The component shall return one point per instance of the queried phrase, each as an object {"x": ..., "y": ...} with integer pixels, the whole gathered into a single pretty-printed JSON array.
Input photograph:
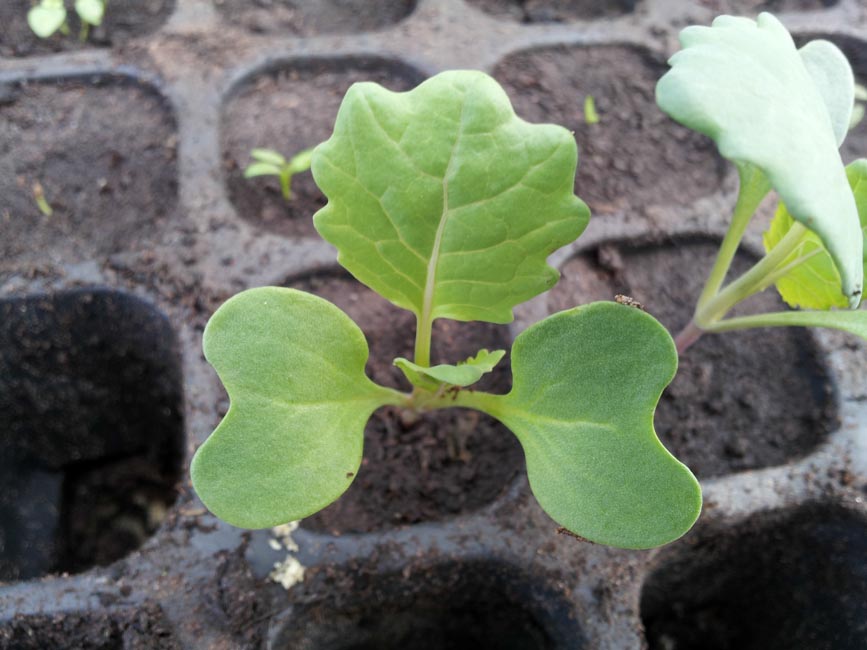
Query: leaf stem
[
  {"x": 286, "y": 183},
  {"x": 687, "y": 336},
  {"x": 422, "y": 341}
]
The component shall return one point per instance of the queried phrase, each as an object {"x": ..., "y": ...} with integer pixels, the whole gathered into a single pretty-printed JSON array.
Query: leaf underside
[
  {"x": 765, "y": 103},
  {"x": 291, "y": 443},
  {"x": 585, "y": 387},
  {"x": 443, "y": 201},
  {"x": 465, "y": 373}
]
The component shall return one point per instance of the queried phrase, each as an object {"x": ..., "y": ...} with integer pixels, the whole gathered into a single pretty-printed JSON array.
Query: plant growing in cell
[
  {"x": 50, "y": 16},
  {"x": 267, "y": 162}
]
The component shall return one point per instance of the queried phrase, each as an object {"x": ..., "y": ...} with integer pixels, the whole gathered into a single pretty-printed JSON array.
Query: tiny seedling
[
  {"x": 41, "y": 202},
  {"x": 50, "y": 16},
  {"x": 448, "y": 205},
  {"x": 267, "y": 162},
  {"x": 590, "y": 114}
]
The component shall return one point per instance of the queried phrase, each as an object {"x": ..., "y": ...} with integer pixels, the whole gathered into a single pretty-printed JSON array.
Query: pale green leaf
[
  {"x": 744, "y": 84},
  {"x": 268, "y": 156},
  {"x": 815, "y": 282},
  {"x": 261, "y": 169},
  {"x": 444, "y": 201},
  {"x": 300, "y": 162},
  {"x": 291, "y": 443},
  {"x": 90, "y": 11},
  {"x": 585, "y": 387},
  {"x": 853, "y": 321},
  {"x": 464, "y": 373},
  {"x": 46, "y": 17}
]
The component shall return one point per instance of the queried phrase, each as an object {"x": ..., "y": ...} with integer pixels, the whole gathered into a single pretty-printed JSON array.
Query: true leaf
[
  {"x": 815, "y": 283},
  {"x": 444, "y": 201},
  {"x": 585, "y": 386},
  {"x": 291, "y": 443},
  {"x": 462, "y": 374},
  {"x": 785, "y": 111},
  {"x": 90, "y": 11},
  {"x": 46, "y": 17}
]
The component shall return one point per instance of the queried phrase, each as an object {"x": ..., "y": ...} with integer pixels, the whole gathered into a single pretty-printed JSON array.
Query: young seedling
[
  {"x": 590, "y": 114},
  {"x": 780, "y": 114},
  {"x": 50, "y": 16},
  {"x": 267, "y": 162},
  {"x": 447, "y": 204}
]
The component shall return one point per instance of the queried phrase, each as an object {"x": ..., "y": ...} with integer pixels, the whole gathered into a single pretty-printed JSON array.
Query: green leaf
[
  {"x": 291, "y": 443},
  {"x": 765, "y": 103},
  {"x": 444, "y": 201},
  {"x": 261, "y": 169},
  {"x": 46, "y": 17},
  {"x": 853, "y": 321},
  {"x": 586, "y": 384},
  {"x": 301, "y": 161},
  {"x": 464, "y": 373},
  {"x": 815, "y": 283},
  {"x": 90, "y": 11},
  {"x": 268, "y": 156}
]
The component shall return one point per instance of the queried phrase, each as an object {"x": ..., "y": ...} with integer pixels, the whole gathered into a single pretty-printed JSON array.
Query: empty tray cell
[
  {"x": 450, "y": 606},
  {"x": 91, "y": 431},
  {"x": 124, "y": 20},
  {"x": 740, "y": 400},
  {"x": 554, "y": 11},
  {"x": 308, "y": 18},
  {"x": 101, "y": 155},
  {"x": 781, "y": 580},
  {"x": 289, "y": 109},
  {"x": 634, "y": 156},
  {"x": 144, "y": 628},
  {"x": 419, "y": 468}
]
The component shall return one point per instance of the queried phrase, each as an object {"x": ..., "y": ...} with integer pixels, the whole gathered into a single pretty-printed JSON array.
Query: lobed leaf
[
  {"x": 783, "y": 110},
  {"x": 444, "y": 201},
  {"x": 585, "y": 386},
  {"x": 464, "y": 373},
  {"x": 291, "y": 443}
]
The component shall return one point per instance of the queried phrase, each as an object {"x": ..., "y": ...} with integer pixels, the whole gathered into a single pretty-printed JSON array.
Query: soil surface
[
  {"x": 289, "y": 110},
  {"x": 124, "y": 20},
  {"x": 305, "y": 18},
  {"x": 103, "y": 155},
  {"x": 427, "y": 468},
  {"x": 780, "y": 580},
  {"x": 753, "y": 7},
  {"x": 554, "y": 11},
  {"x": 635, "y": 155},
  {"x": 740, "y": 400}
]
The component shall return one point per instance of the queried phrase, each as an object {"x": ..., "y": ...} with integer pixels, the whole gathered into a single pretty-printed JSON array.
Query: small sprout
[
  {"x": 590, "y": 114},
  {"x": 49, "y": 17},
  {"x": 267, "y": 162},
  {"x": 41, "y": 202}
]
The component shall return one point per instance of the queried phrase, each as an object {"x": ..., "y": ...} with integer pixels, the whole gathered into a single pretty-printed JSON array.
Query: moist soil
[
  {"x": 554, "y": 11},
  {"x": 289, "y": 110},
  {"x": 103, "y": 153},
  {"x": 305, "y": 18},
  {"x": 420, "y": 468},
  {"x": 740, "y": 400},
  {"x": 635, "y": 155},
  {"x": 124, "y": 20}
]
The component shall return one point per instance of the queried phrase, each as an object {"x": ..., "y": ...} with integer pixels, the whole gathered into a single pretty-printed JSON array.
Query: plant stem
[
  {"x": 286, "y": 184},
  {"x": 687, "y": 336},
  {"x": 422, "y": 341},
  {"x": 754, "y": 186},
  {"x": 85, "y": 31},
  {"x": 772, "y": 319}
]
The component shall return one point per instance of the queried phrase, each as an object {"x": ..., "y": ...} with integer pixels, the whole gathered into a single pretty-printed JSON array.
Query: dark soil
[
  {"x": 124, "y": 20},
  {"x": 289, "y": 110},
  {"x": 781, "y": 580},
  {"x": 92, "y": 438},
  {"x": 554, "y": 11},
  {"x": 305, "y": 18},
  {"x": 754, "y": 7},
  {"x": 635, "y": 155},
  {"x": 740, "y": 400},
  {"x": 445, "y": 462},
  {"x": 104, "y": 155}
]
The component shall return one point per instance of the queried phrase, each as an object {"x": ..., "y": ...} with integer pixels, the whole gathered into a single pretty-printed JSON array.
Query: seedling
[
  {"x": 448, "y": 205},
  {"x": 50, "y": 16},
  {"x": 41, "y": 202},
  {"x": 267, "y": 162},
  {"x": 590, "y": 114}
]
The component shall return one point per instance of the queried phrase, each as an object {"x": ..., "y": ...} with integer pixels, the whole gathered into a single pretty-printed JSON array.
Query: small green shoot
[
  {"x": 50, "y": 16},
  {"x": 41, "y": 202},
  {"x": 590, "y": 114},
  {"x": 267, "y": 162}
]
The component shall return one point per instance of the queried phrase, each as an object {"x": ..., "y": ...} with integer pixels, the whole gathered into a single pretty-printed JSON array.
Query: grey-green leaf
[
  {"x": 46, "y": 17},
  {"x": 464, "y": 373},
  {"x": 443, "y": 200},
  {"x": 291, "y": 443},
  {"x": 585, "y": 388},
  {"x": 744, "y": 84}
]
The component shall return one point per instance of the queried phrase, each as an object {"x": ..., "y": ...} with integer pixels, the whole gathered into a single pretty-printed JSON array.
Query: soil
[
  {"x": 288, "y": 110},
  {"x": 304, "y": 18},
  {"x": 90, "y": 389},
  {"x": 753, "y": 7},
  {"x": 143, "y": 628},
  {"x": 103, "y": 152},
  {"x": 554, "y": 11},
  {"x": 423, "y": 469},
  {"x": 124, "y": 20},
  {"x": 635, "y": 155},
  {"x": 740, "y": 400},
  {"x": 780, "y": 580}
]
